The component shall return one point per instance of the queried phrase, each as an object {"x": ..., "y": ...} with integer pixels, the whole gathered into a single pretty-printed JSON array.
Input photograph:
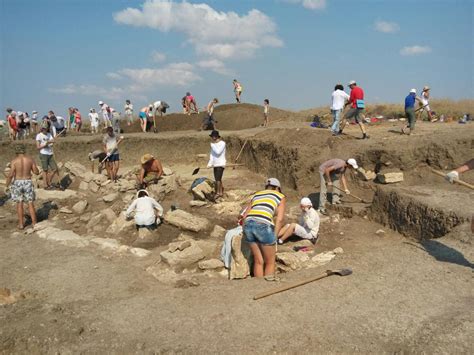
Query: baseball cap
[
  {"x": 413, "y": 91},
  {"x": 352, "y": 162},
  {"x": 352, "y": 82},
  {"x": 305, "y": 201},
  {"x": 273, "y": 182}
]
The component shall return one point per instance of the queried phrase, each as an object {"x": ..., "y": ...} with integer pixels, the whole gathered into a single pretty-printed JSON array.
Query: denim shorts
[
  {"x": 113, "y": 158},
  {"x": 256, "y": 232}
]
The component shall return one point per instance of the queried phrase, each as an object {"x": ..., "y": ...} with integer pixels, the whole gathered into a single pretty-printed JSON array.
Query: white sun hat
[
  {"x": 305, "y": 201},
  {"x": 413, "y": 91},
  {"x": 352, "y": 162}
]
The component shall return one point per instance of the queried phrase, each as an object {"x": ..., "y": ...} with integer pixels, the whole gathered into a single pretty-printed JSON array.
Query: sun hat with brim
[
  {"x": 146, "y": 158},
  {"x": 426, "y": 88},
  {"x": 20, "y": 149},
  {"x": 413, "y": 91},
  {"x": 214, "y": 134},
  {"x": 273, "y": 182},
  {"x": 145, "y": 191},
  {"x": 305, "y": 201},
  {"x": 352, "y": 162},
  {"x": 352, "y": 82}
]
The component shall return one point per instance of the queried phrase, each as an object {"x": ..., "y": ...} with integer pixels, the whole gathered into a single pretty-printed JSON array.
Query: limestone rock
[
  {"x": 95, "y": 219},
  {"x": 218, "y": 232},
  {"x": 210, "y": 264},
  {"x": 65, "y": 237},
  {"x": 85, "y": 217},
  {"x": 120, "y": 224},
  {"x": 239, "y": 195},
  {"x": 186, "y": 221},
  {"x": 72, "y": 220},
  {"x": 76, "y": 169},
  {"x": 197, "y": 203},
  {"x": 94, "y": 187},
  {"x": 366, "y": 175},
  {"x": 84, "y": 186},
  {"x": 380, "y": 232},
  {"x": 183, "y": 258},
  {"x": 110, "y": 197},
  {"x": 106, "y": 243},
  {"x": 80, "y": 207},
  {"x": 293, "y": 260},
  {"x": 109, "y": 214},
  {"x": 65, "y": 210},
  {"x": 99, "y": 179},
  {"x": 203, "y": 191},
  {"x": 228, "y": 208},
  {"x": 242, "y": 258},
  {"x": 144, "y": 234},
  {"x": 42, "y": 194},
  {"x": 323, "y": 258},
  {"x": 139, "y": 252},
  {"x": 167, "y": 171},
  {"x": 390, "y": 178},
  {"x": 181, "y": 245}
]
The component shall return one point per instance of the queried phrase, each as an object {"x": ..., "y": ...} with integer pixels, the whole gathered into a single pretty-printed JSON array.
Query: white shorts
[{"x": 302, "y": 232}]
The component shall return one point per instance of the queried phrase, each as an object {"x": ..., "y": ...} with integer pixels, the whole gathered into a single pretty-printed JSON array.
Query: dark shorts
[
  {"x": 256, "y": 232},
  {"x": 47, "y": 162},
  {"x": 114, "y": 158},
  {"x": 218, "y": 172},
  {"x": 470, "y": 164},
  {"x": 354, "y": 113}
]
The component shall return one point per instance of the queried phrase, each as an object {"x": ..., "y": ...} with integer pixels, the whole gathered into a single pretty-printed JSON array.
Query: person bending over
[{"x": 148, "y": 211}]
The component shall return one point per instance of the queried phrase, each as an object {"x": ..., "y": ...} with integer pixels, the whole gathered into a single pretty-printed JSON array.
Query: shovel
[
  {"x": 195, "y": 171},
  {"x": 341, "y": 272},
  {"x": 241, "y": 150},
  {"x": 357, "y": 198},
  {"x": 457, "y": 181}
]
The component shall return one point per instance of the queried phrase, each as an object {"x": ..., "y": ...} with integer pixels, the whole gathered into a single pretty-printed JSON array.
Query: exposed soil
[{"x": 411, "y": 290}]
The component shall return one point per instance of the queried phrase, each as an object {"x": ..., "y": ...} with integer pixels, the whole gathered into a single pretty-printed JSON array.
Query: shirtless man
[
  {"x": 22, "y": 189},
  {"x": 150, "y": 172}
]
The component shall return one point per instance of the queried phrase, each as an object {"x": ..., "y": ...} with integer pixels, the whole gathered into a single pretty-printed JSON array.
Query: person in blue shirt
[{"x": 410, "y": 101}]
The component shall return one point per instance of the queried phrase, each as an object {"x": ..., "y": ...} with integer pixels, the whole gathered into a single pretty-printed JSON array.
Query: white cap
[
  {"x": 352, "y": 162},
  {"x": 352, "y": 82},
  {"x": 34, "y": 111},
  {"x": 273, "y": 182},
  {"x": 413, "y": 91},
  {"x": 101, "y": 103},
  {"x": 145, "y": 191},
  {"x": 305, "y": 201},
  {"x": 19, "y": 113}
]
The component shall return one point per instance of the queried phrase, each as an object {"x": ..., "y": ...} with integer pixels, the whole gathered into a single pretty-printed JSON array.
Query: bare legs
[
  {"x": 287, "y": 231},
  {"x": 263, "y": 259},
  {"x": 48, "y": 177},
  {"x": 112, "y": 169},
  {"x": 21, "y": 217}
]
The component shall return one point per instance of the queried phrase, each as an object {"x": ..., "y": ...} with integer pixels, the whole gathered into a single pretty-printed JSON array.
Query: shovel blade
[
  {"x": 340, "y": 272},
  {"x": 195, "y": 171}
]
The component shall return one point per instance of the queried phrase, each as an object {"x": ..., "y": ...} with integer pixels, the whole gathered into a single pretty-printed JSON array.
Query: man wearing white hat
[
  {"x": 330, "y": 172},
  {"x": 106, "y": 114},
  {"x": 306, "y": 228},
  {"x": 356, "y": 100},
  {"x": 410, "y": 111}
]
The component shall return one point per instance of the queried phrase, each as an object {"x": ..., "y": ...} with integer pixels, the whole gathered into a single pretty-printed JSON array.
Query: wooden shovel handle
[
  {"x": 241, "y": 150},
  {"x": 460, "y": 182}
]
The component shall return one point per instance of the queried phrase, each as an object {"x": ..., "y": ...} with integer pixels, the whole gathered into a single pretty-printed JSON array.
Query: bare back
[{"x": 23, "y": 167}]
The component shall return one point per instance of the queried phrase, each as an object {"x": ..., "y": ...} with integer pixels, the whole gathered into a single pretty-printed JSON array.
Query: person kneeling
[
  {"x": 144, "y": 207},
  {"x": 308, "y": 226}
]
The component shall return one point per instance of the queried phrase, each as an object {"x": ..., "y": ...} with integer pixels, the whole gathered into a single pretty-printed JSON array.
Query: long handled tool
[
  {"x": 241, "y": 150},
  {"x": 341, "y": 272},
  {"x": 460, "y": 182},
  {"x": 357, "y": 198},
  {"x": 195, "y": 171},
  {"x": 421, "y": 108},
  {"x": 112, "y": 152}
]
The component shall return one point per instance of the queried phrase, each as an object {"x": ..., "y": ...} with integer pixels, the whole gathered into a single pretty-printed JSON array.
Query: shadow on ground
[{"x": 444, "y": 253}]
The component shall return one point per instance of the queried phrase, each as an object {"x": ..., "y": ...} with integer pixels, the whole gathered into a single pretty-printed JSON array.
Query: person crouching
[
  {"x": 148, "y": 212},
  {"x": 308, "y": 226}
]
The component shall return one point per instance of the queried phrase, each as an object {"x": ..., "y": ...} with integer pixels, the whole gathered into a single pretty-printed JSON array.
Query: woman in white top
[
  {"x": 94, "y": 119},
  {"x": 217, "y": 161},
  {"x": 144, "y": 208},
  {"x": 339, "y": 98},
  {"x": 425, "y": 104},
  {"x": 306, "y": 228}
]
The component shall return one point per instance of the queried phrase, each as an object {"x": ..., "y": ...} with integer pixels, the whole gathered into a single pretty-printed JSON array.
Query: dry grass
[{"x": 447, "y": 107}]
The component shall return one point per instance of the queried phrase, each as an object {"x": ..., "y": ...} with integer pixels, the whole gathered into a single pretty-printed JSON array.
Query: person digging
[
  {"x": 331, "y": 172},
  {"x": 148, "y": 212},
  {"x": 151, "y": 171},
  {"x": 20, "y": 184}
]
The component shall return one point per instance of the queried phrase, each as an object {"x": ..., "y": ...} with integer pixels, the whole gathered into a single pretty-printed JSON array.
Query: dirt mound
[{"x": 230, "y": 117}]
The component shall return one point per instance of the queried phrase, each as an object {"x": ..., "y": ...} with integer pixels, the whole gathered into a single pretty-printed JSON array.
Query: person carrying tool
[
  {"x": 356, "y": 100},
  {"x": 20, "y": 185},
  {"x": 217, "y": 161},
  {"x": 425, "y": 104},
  {"x": 410, "y": 111},
  {"x": 454, "y": 175},
  {"x": 147, "y": 211},
  {"x": 112, "y": 162},
  {"x": 44, "y": 143},
  {"x": 209, "y": 122},
  {"x": 151, "y": 171},
  {"x": 306, "y": 228},
  {"x": 330, "y": 172},
  {"x": 263, "y": 220},
  {"x": 98, "y": 155}
]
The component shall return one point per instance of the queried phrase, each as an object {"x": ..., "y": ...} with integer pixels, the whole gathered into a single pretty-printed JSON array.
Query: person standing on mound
[
  {"x": 237, "y": 90},
  {"x": 356, "y": 100}
]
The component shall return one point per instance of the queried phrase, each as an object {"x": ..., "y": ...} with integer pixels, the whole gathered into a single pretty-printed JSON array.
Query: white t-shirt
[
  {"x": 111, "y": 143},
  {"x": 128, "y": 108},
  {"x": 339, "y": 98},
  {"x": 310, "y": 221},
  {"x": 94, "y": 118},
  {"x": 217, "y": 156},
  {"x": 424, "y": 99},
  {"x": 210, "y": 108},
  {"x": 144, "y": 208},
  {"x": 42, "y": 139}
]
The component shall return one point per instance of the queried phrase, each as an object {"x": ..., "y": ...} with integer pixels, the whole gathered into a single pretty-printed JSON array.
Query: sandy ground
[{"x": 405, "y": 296}]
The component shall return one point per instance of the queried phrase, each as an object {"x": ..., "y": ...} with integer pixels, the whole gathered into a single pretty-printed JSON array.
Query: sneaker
[
  {"x": 314, "y": 240},
  {"x": 280, "y": 242},
  {"x": 322, "y": 211},
  {"x": 365, "y": 136},
  {"x": 271, "y": 278}
]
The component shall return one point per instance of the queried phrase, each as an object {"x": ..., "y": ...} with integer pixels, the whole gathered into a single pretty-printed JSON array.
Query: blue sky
[{"x": 60, "y": 53}]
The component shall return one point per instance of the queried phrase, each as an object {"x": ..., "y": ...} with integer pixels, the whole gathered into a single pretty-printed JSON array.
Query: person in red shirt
[
  {"x": 356, "y": 100},
  {"x": 12, "y": 125}
]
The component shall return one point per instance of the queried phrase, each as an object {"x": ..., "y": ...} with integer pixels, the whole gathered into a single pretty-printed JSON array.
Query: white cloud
[
  {"x": 213, "y": 33},
  {"x": 310, "y": 4},
  {"x": 216, "y": 66},
  {"x": 386, "y": 27},
  {"x": 110, "y": 93},
  {"x": 415, "y": 50},
  {"x": 158, "y": 57},
  {"x": 114, "y": 76}
]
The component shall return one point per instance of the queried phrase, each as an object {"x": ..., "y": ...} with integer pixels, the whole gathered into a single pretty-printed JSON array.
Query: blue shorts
[
  {"x": 142, "y": 115},
  {"x": 113, "y": 158},
  {"x": 256, "y": 232}
]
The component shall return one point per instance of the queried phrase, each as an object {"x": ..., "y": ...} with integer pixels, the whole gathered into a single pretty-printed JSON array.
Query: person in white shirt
[
  {"x": 217, "y": 161},
  {"x": 128, "y": 109},
  {"x": 209, "y": 122},
  {"x": 339, "y": 99},
  {"x": 44, "y": 143},
  {"x": 111, "y": 142},
  {"x": 58, "y": 125},
  {"x": 94, "y": 119},
  {"x": 34, "y": 121},
  {"x": 106, "y": 114},
  {"x": 425, "y": 104},
  {"x": 266, "y": 111},
  {"x": 147, "y": 210},
  {"x": 306, "y": 228}
]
